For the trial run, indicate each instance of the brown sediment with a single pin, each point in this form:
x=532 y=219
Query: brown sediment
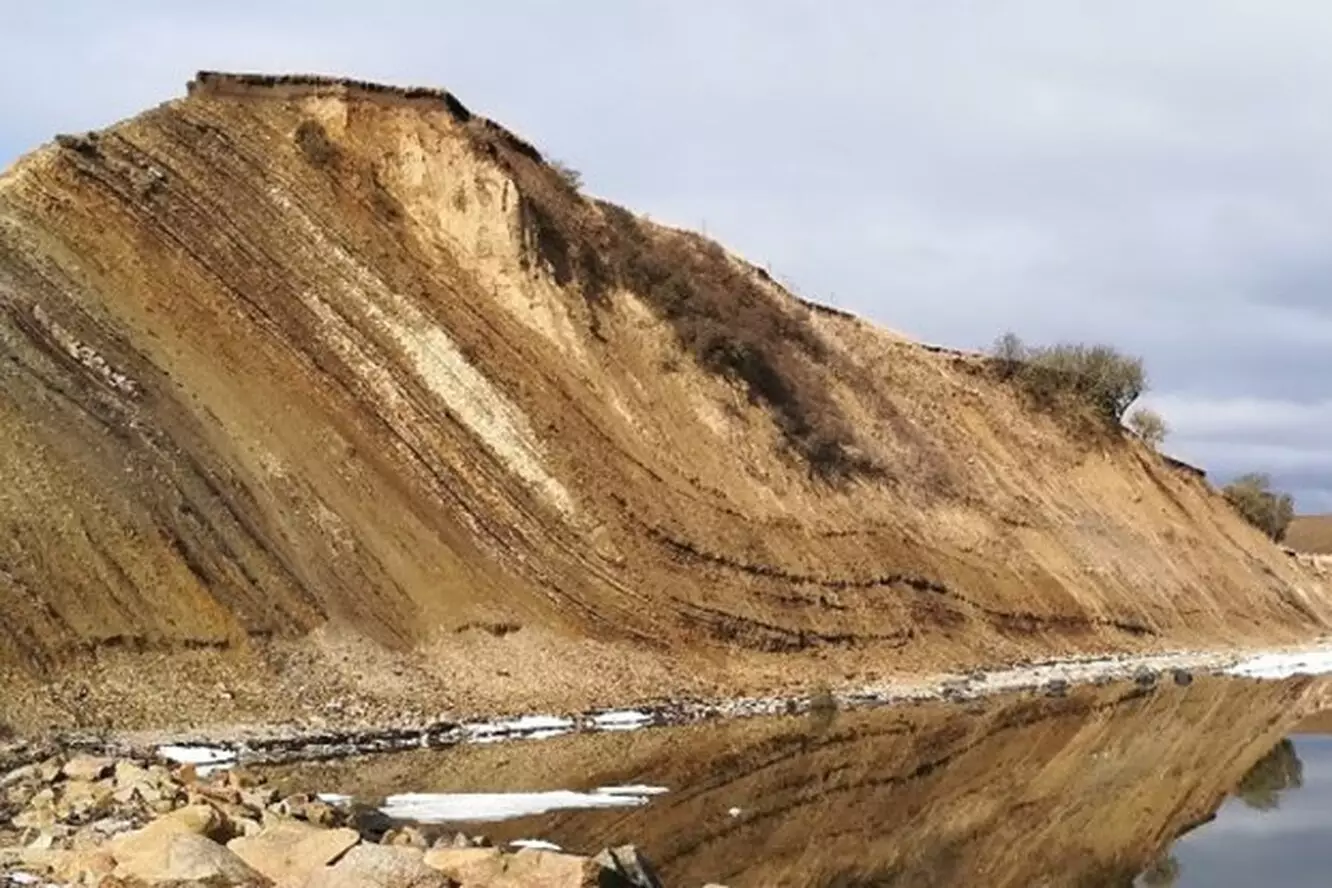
x=308 y=386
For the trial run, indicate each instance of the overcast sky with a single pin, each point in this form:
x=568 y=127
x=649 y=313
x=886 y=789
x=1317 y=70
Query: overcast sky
x=1156 y=174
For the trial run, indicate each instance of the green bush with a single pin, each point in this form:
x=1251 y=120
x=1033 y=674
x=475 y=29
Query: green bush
x=1098 y=376
x=1149 y=426
x=1268 y=510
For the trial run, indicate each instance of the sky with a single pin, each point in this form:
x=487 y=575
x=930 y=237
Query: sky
x=1153 y=174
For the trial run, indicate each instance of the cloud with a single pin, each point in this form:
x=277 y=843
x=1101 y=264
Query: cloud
x=1153 y=175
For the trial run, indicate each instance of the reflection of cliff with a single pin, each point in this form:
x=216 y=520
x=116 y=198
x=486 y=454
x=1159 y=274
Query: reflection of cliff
x=1086 y=790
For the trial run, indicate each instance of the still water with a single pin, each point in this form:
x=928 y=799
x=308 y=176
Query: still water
x=1205 y=784
x=1274 y=829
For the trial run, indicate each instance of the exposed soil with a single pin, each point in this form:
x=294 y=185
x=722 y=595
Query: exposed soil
x=1311 y=534
x=322 y=399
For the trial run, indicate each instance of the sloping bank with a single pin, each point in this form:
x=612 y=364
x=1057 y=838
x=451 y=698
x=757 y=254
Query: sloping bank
x=325 y=399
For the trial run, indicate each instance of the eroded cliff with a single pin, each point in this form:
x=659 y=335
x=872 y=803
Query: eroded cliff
x=304 y=380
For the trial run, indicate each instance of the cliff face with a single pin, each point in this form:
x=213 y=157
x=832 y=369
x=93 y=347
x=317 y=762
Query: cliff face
x=293 y=354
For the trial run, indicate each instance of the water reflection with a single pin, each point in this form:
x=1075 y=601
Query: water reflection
x=1273 y=830
x=1084 y=790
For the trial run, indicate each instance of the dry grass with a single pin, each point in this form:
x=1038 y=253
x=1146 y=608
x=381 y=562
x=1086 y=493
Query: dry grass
x=721 y=314
x=1311 y=533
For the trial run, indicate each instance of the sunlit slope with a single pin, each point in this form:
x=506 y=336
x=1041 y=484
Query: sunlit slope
x=293 y=353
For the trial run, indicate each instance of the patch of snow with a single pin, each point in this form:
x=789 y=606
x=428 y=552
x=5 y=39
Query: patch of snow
x=197 y=755
x=527 y=724
x=448 y=807
x=548 y=733
x=536 y=844
x=734 y=812
x=621 y=720
x=632 y=789
x=1276 y=666
x=22 y=879
x=333 y=798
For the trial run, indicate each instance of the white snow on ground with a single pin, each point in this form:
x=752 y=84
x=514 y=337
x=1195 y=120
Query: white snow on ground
x=548 y=733
x=621 y=720
x=536 y=844
x=446 y=807
x=632 y=789
x=206 y=759
x=22 y=879
x=333 y=798
x=1284 y=665
x=527 y=724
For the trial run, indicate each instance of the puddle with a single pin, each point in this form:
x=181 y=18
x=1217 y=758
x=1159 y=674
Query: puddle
x=1088 y=788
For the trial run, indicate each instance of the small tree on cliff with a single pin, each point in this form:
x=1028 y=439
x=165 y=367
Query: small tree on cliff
x=1268 y=510
x=1149 y=426
x=1099 y=376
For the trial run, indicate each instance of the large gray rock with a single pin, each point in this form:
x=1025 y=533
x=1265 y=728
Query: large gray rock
x=288 y=851
x=176 y=857
x=380 y=866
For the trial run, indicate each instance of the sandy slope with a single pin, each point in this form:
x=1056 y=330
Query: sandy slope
x=313 y=391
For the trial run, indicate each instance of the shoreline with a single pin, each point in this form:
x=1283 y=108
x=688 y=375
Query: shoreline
x=274 y=743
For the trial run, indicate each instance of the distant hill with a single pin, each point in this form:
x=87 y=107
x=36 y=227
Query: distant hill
x=1311 y=533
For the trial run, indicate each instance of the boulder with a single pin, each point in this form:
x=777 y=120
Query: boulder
x=466 y=865
x=81 y=801
x=183 y=857
x=85 y=867
x=28 y=774
x=405 y=837
x=380 y=866
x=198 y=820
x=129 y=774
x=88 y=768
x=50 y=769
x=627 y=861
x=288 y=851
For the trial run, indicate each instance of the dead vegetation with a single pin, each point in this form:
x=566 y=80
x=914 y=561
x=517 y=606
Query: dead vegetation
x=1071 y=376
x=314 y=143
x=1271 y=511
x=1310 y=533
x=721 y=315
x=1148 y=426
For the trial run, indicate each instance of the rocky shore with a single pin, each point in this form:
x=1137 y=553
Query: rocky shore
x=120 y=823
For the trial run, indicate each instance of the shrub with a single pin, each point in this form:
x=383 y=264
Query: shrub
x=1268 y=510
x=568 y=174
x=1009 y=353
x=1098 y=376
x=1276 y=772
x=314 y=143
x=1149 y=426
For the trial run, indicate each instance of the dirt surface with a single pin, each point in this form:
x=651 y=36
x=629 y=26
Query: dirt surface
x=1310 y=533
x=327 y=400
